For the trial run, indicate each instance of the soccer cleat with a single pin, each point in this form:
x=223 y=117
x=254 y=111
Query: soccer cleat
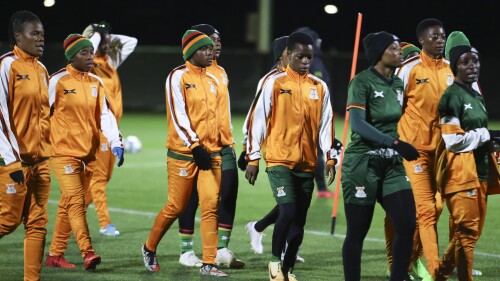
x=211 y=270
x=190 y=259
x=476 y=272
x=419 y=269
x=150 y=261
x=226 y=258
x=325 y=194
x=58 y=261
x=109 y=230
x=255 y=238
x=292 y=277
x=275 y=273
x=409 y=277
x=91 y=260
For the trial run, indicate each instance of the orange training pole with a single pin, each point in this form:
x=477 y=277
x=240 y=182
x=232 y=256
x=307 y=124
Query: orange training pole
x=346 y=126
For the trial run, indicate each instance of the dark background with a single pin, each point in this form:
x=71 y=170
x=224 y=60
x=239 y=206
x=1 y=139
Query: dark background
x=159 y=26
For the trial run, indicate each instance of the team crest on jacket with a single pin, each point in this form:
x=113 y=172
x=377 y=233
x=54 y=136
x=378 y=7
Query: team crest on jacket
x=93 y=90
x=449 y=79
x=283 y=91
x=212 y=87
x=467 y=106
x=224 y=79
x=313 y=94
x=70 y=91
x=189 y=86
x=11 y=189
x=360 y=192
x=21 y=77
x=379 y=94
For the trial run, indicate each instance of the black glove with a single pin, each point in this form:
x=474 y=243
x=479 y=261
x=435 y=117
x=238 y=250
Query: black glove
x=406 y=150
x=202 y=158
x=494 y=134
x=242 y=161
x=102 y=27
x=17 y=176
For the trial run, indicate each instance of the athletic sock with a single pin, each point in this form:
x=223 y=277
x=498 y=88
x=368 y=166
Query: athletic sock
x=224 y=234
x=186 y=242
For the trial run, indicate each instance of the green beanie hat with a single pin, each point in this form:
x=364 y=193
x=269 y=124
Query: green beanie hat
x=74 y=43
x=192 y=41
x=455 y=38
x=408 y=48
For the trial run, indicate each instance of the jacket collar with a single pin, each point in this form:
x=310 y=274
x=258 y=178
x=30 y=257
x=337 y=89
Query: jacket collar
x=195 y=69
x=79 y=75
x=430 y=61
x=23 y=55
x=296 y=76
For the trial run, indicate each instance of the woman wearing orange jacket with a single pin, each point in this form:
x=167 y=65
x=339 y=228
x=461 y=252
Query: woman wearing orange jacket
x=24 y=142
x=79 y=110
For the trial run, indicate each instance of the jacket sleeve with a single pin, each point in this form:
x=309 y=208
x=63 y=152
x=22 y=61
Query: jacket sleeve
x=251 y=110
x=9 y=148
x=457 y=140
x=121 y=47
x=96 y=40
x=177 y=106
x=257 y=125
x=327 y=130
x=109 y=126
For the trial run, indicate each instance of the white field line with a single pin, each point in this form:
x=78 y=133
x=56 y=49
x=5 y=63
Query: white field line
x=318 y=233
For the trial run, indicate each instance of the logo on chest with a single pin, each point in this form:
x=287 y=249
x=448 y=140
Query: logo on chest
x=212 y=88
x=360 y=192
x=21 y=77
x=423 y=80
x=71 y=91
x=11 y=189
x=378 y=94
x=93 y=90
x=467 y=106
x=284 y=91
x=314 y=93
x=189 y=86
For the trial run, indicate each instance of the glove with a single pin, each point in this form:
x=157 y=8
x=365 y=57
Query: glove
x=202 y=158
x=118 y=153
x=406 y=150
x=242 y=161
x=494 y=135
x=17 y=176
x=102 y=27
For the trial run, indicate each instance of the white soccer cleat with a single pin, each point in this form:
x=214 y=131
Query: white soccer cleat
x=211 y=270
x=255 y=238
x=190 y=259
x=109 y=230
x=226 y=258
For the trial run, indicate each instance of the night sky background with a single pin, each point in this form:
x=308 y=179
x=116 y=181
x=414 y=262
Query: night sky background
x=163 y=22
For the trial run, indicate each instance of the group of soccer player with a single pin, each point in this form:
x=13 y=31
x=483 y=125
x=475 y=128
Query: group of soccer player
x=66 y=123
x=419 y=138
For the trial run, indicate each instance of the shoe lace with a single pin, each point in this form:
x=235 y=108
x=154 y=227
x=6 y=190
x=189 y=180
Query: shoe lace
x=150 y=257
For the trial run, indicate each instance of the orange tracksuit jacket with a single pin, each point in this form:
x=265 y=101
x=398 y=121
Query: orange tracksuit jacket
x=80 y=110
x=106 y=68
x=292 y=114
x=226 y=128
x=23 y=76
x=427 y=79
x=192 y=125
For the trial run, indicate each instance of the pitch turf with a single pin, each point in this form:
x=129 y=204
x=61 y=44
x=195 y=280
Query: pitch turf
x=138 y=191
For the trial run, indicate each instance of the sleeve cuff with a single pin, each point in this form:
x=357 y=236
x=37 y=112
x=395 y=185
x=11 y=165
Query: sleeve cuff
x=253 y=163
x=194 y=145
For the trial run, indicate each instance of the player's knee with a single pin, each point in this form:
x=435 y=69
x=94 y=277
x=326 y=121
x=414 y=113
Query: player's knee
x=7 y=228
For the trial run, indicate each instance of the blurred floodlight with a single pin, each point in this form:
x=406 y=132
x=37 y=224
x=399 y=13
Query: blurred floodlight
x=329 y=9
x=50 y=3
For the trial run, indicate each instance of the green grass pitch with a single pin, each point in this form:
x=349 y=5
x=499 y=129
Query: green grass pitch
x=138 y=190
